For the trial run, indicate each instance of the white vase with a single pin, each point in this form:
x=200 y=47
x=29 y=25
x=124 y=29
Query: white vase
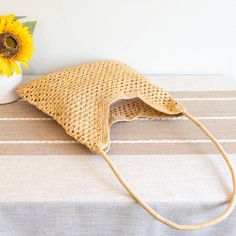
x=8 y=86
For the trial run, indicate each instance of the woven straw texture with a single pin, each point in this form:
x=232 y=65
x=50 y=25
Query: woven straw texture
x=86 y=100
x=83 y=99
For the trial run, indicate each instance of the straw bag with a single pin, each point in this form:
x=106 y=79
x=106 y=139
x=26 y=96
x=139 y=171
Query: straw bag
x=86 y=100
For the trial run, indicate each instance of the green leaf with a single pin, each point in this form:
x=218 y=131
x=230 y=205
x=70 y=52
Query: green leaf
x=31 y=25
x=20 y=17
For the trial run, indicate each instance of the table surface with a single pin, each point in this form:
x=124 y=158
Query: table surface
x=51 y=185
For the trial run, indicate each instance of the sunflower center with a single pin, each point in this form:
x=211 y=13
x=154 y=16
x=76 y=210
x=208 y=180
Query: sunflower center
x=9 y=45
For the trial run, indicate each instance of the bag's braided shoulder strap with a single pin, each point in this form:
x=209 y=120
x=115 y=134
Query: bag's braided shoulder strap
x=166 y=221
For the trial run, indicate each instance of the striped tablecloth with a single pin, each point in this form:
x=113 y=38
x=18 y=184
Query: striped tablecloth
x=51 y=185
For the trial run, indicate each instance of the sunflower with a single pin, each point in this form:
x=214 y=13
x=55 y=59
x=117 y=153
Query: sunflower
x=16 y=45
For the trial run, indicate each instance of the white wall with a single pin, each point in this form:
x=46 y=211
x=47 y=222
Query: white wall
x=154 y=36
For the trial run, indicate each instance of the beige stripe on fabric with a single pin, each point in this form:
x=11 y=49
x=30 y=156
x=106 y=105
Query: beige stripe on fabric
x=135 y=130
x=116 y=149
x=20 y=109
x=197 y=108
x=46 y=129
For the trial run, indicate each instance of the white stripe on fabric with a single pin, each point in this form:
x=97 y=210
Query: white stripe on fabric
x=152 y=141
x=24 y=119
x=172 y=118
x=206 y=99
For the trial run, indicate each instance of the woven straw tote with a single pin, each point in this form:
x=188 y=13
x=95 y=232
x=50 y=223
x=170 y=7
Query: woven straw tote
x=86 y=100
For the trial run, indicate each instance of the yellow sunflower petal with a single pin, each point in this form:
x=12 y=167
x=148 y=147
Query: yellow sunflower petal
x=25 y=64
x=9 y=68
x=16 y=67
x=4 y=66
